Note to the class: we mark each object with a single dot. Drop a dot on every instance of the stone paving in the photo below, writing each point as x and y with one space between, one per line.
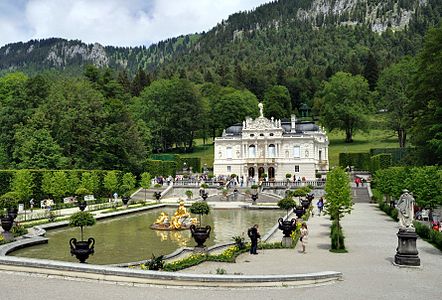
367 268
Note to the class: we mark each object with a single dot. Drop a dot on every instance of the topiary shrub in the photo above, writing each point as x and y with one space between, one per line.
81 219
8 201
287 203
200 208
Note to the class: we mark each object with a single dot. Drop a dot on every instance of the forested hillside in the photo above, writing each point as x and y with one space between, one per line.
88 106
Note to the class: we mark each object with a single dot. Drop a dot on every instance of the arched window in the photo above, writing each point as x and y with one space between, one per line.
272 151
252 151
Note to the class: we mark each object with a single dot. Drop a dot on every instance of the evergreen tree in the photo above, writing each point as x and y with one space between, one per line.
371 71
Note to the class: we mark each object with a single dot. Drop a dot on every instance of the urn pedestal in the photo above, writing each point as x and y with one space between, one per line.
200 234
82 249
7 222
82 205
406 251
287 228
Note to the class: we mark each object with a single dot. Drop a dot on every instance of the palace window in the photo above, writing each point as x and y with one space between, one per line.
229 169
252 151
296 169
272 152
297 151
229 154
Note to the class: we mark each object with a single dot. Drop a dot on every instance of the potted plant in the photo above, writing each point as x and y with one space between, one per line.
287 226
200 233
155 263
189 194
239 242
81 192
82 249
8 210
125 194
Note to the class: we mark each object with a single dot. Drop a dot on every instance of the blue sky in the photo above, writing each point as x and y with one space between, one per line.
113 22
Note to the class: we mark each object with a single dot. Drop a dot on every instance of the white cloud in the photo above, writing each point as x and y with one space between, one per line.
113 22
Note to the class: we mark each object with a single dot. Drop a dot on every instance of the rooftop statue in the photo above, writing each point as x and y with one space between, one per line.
261 109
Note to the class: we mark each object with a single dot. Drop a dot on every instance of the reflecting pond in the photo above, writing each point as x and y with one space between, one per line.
129 238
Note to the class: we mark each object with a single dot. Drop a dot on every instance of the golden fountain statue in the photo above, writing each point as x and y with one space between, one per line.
180 220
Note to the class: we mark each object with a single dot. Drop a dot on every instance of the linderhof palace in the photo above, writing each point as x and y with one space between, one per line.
272 147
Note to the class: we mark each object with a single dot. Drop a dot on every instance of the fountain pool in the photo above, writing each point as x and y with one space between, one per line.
129 238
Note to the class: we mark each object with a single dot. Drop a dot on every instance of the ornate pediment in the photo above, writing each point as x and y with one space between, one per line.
261 123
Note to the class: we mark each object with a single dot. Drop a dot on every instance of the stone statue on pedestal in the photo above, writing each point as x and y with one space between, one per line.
405 207
406 251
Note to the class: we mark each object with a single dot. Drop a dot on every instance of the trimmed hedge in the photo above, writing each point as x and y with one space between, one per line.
159 167
432 236
359 160
165 157
6 177
194 162
380 161
399 156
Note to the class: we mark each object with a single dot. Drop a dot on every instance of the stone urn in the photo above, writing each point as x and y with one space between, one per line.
204 195
200 234
287 226
82 205
157 195
125 199
305 203
7 222
13 212
82 249
299 211
254 198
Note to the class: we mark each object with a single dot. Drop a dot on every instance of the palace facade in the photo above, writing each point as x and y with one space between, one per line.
272 147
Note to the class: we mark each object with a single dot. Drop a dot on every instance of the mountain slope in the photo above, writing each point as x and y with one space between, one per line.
313 33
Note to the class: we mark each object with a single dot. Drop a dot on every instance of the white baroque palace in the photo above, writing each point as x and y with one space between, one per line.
273 147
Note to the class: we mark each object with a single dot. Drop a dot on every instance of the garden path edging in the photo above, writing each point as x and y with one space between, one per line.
125 275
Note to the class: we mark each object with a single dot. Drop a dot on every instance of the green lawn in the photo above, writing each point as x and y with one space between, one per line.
362 142
205 152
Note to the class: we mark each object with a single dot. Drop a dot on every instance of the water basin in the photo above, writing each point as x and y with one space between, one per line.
129 238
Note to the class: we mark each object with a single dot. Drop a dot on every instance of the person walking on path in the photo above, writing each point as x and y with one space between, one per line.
31 204
320 205
254 235
304 236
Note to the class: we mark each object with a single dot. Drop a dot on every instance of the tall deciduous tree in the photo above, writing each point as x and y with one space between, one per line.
145 182
75 112
23 184
344 103
35 148
233 106
426 185
14 109
173 110
427 126
59 185
110 182
338 196
277 102
90 181
394 88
